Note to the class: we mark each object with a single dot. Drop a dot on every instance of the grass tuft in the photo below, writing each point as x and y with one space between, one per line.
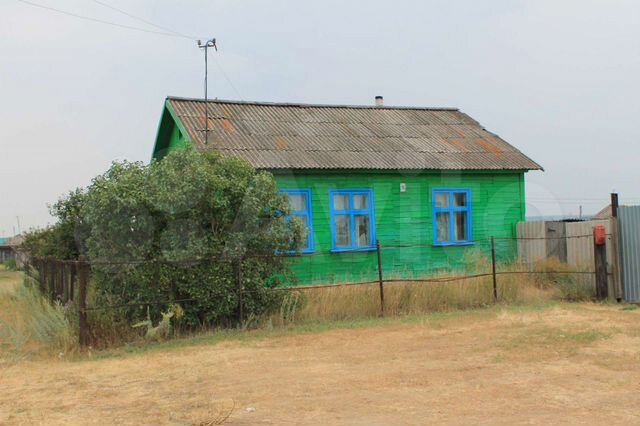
30 324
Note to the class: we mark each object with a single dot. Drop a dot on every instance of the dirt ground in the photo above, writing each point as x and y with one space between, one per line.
559 365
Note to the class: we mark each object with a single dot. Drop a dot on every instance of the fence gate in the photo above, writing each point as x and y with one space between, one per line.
629 219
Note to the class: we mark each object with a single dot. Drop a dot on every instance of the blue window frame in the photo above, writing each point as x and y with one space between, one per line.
451 217
352 220
300 202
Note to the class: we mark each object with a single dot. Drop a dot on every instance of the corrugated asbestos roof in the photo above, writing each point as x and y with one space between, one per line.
300 136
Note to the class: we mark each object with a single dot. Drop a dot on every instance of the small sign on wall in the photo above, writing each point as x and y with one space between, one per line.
600 235
403 187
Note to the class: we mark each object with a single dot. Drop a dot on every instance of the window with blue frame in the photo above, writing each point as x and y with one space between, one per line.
451 216
352 219
300 203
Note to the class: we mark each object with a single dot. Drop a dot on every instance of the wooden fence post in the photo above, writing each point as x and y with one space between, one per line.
65 286
72 279
55 278
83 332
240 292
618 288
493 269
42 274
51 279
600 256
380 280
59 279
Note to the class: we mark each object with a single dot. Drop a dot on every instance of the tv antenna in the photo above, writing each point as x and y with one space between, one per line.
206 45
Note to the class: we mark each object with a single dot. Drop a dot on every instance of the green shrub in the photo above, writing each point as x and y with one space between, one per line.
175 231
66 239
10 264
171 232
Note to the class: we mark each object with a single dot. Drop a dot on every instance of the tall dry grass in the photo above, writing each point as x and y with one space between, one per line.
403 298
572 283
30 324
516 284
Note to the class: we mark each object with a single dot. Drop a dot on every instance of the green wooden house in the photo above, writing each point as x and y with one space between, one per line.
430 184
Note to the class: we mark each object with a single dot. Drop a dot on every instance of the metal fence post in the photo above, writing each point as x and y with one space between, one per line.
83 324
493 269
380 280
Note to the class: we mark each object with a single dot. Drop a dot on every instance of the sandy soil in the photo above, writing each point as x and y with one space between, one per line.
564 365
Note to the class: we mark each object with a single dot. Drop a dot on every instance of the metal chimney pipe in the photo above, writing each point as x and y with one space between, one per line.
379 101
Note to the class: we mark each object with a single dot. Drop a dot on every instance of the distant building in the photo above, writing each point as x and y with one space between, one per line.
7 250
603 214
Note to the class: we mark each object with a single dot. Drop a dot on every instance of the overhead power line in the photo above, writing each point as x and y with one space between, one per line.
164 31
226 77
163 28
101 21
143 20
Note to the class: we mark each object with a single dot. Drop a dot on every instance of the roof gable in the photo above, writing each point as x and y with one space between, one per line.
300 136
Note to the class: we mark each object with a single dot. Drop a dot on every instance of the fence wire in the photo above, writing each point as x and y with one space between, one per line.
69 281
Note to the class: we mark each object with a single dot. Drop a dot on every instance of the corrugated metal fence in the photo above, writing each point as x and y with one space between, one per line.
532 246
566 242
580 243
629 218
572 243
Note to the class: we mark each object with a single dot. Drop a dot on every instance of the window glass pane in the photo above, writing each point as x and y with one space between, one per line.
298 202
460 199
442 199
303 220
360 201
461 226
363 231
343 231
341 202
442 226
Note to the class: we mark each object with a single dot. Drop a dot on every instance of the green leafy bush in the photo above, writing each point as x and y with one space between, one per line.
66 239
10 264
179 229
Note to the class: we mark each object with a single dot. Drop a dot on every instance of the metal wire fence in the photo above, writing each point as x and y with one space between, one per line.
69 281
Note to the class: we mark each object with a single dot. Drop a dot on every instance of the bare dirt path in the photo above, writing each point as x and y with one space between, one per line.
562 365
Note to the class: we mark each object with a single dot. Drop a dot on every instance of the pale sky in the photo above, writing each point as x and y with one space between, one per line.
559 79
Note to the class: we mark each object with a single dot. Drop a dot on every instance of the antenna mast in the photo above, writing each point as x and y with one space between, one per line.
206 46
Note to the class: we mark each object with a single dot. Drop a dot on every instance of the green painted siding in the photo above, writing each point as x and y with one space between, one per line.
406 219
401 219
171 135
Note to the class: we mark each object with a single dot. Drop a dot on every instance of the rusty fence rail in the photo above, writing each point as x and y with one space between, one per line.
68 281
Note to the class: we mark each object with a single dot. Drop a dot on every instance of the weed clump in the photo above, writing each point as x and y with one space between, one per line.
33 324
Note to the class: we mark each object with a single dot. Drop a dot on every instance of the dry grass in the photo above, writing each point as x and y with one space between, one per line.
569 364
517 284
9 280
409 298
29 324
